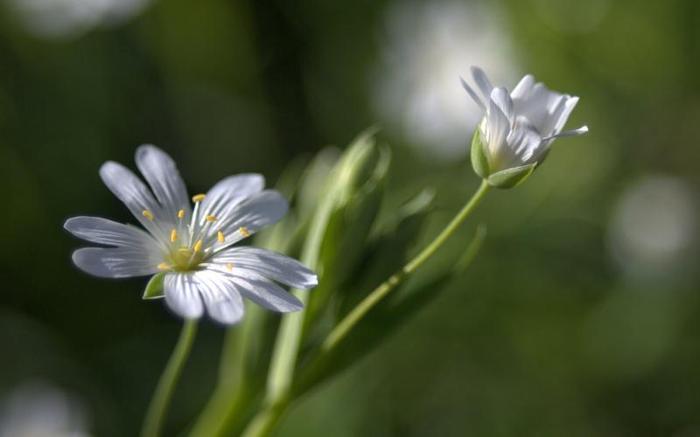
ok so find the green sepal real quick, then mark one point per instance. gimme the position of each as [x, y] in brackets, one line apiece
[480, 163]
[154, 288]
[511, 177]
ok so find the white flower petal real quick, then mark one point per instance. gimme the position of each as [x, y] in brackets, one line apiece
[482, 82]
[227, 311]
[224, 304]
[103, 231]
[182, 295]
[538, 106]
[253, 214]
[135, 195]
[269, 264]
[266, 293]
[525, 141]
[162, 175]
[560, 121]
[570, 133]
[229, 192]
[501, 97]
[472, 94]
[524, 87]
[497, 129]
[115, 262]
[555, 113]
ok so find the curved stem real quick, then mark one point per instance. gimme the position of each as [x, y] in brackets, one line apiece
[350, 320]
[168, 380]
[265, 421]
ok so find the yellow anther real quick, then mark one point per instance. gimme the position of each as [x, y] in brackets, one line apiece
[173, 236]
[229, 267]
[181, 213]
[163, 266]
[211, 218]
[220, 237]
[198, 246]
[198, 198]
[244, 231]
[148, 214]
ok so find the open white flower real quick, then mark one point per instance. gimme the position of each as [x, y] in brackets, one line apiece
[518, 127]
[192, 246]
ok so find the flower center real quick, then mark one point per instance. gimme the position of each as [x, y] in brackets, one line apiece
[189, 245]
[186, 247]
[185, 258]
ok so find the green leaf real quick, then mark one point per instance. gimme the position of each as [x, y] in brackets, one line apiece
[154, 288]
[511, 177]
[480, 163]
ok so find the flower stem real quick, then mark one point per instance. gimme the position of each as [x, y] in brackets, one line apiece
[266, 420]
[345, 326]
[168, 380]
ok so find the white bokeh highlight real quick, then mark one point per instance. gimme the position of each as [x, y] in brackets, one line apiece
[653, 227]
[37, 409]
[428, 46]
[64, 19]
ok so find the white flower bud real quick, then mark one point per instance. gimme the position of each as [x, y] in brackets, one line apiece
[517, 129]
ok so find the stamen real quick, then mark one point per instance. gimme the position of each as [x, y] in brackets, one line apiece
[181, 214]
[163, 266]
[211, 218]
[220, 237]
[244, 231]
[229, 267]
[173, 236]
[197, 246]
[198, 198]
[148, 214]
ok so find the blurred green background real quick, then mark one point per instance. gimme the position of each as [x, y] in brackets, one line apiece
[578, 318]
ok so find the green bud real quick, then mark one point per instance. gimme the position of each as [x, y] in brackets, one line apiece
[352, 202]
[358, 165]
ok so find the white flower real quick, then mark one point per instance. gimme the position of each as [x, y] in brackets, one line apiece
[192, 246]
[519, 127]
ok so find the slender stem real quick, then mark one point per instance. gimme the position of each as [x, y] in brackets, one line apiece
[168, 380]
[345, 326]
[265, 421]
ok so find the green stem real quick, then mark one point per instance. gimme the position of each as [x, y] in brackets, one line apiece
[168, 380]
[264, 422]
[345, 326]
